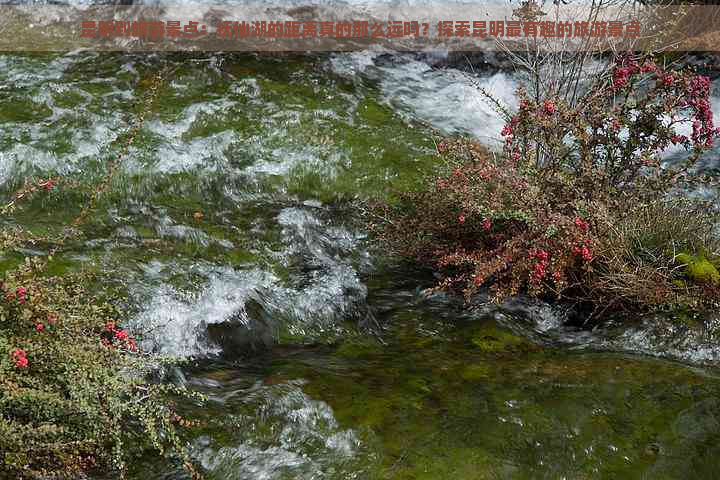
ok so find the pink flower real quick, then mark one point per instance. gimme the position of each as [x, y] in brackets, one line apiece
[39, 327]
[461, 218]
[507, 130]
[668, 79]
[486, 224]
[582, 224]
[549, 107]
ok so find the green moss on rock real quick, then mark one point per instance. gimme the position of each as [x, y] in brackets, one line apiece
[489, 338]
[699, 269]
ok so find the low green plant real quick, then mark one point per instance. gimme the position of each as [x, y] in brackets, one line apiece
[75, 394]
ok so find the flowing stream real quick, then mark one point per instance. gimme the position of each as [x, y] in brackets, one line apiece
[233, 229]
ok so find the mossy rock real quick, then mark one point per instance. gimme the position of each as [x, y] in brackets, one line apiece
[493, 339]
[699, 269]
[359, 348]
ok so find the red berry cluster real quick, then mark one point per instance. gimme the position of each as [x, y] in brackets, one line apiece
[114, 336]
[583, 251]
[582, 224]
[543, 258]
[20, 294]
[19, 357]
[549, 107]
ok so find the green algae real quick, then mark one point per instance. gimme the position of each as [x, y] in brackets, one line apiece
[375, 114]
[453, 410]
[22, 110]
[359, 347]
[492, 339]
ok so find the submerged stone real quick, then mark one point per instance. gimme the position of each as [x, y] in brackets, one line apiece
[246, 332]
[490, 338]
